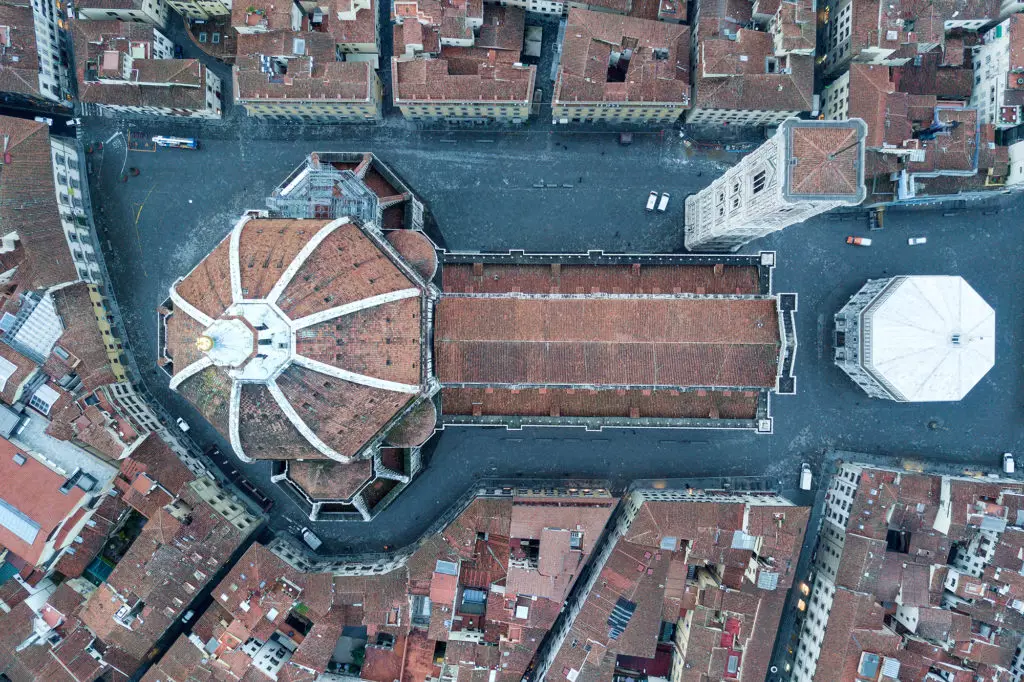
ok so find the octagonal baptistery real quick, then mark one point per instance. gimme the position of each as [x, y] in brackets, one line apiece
[916, 338]
[304, 339]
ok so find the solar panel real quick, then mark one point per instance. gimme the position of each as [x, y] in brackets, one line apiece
[620, 617]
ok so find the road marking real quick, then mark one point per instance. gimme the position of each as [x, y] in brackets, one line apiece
[138, 236]
[111, 137]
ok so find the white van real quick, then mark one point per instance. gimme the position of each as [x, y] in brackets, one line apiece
[663, 204]
[805, 476]
[183, 425]
[311, 539]
[1008, 465]
[652, 199]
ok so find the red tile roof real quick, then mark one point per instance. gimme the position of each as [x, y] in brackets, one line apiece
[34, 491]
[667, 342]
[657, 71]
[732, 74]
[330, 480]
[825, 159]
[567, 402]
[28, 199]
[417, 250]
[563, 278]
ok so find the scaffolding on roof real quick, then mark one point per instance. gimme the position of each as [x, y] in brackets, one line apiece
[321, 191]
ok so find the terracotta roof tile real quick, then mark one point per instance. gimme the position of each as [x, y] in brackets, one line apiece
[35, 491]
[634, 403]
[208, 285]
[23, 370]
[725, 80]
[330, 480]
[826, 160]
[658, 71]
[673, 342]
[383, 341]
[28, 201]
[266, 432]
[558, 278]
[331, 406]
[416, 248]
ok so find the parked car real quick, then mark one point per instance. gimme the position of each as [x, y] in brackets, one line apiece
[663, 204]
[652, 199]
[178, 52]
[183, 425]
[625, 138]
[43, 119]
[188, 616]
[914, 241]
[858, 241]
[1008, 463]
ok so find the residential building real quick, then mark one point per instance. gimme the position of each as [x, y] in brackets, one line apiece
[129, 68]
[45, 506]
[647, 79]
[806, 168]
[179, 550]
[472, 600]
[62, 356]
[202, 9]
[913, 578]
[314, 63]
[998, 92]
[916, 339]
[920, 148]
[43, 637]
[893, 33]
[34, 60]
[152, 12]
[460, 62]
[534, 339]
[690, 585]
[752, 67]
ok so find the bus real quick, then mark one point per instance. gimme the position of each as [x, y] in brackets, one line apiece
[176, 142]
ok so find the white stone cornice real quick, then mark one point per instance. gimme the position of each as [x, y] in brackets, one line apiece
[302, 427]
[234, 417]
[352, 377]
[187, 308]
[354, 306]
[300, 258]
[193, 369]
[233, 260]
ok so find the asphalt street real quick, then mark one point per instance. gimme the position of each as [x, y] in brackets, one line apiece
[480, 188]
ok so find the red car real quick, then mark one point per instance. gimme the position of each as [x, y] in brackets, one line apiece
[858, 241]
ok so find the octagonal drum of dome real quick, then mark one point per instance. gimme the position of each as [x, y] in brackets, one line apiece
[303, 339]
[930, 338]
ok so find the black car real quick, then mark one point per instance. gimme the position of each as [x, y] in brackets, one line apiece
[178, 52]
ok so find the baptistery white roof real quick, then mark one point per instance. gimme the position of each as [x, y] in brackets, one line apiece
[930, 338]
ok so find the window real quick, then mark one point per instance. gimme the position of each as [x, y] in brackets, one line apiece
[759, 181]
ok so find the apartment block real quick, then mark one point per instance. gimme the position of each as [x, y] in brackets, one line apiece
[807, 168]
[151, 12]
[129, 68]
[914, 578]
[752, 68]
[460, 62]
[919, 148]
[472, 600]
[998, 91]
[201, 9]
[62, 356]
[894, 33]
[647, 79]
[690, 585]
[35, 63]
[308, 63]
